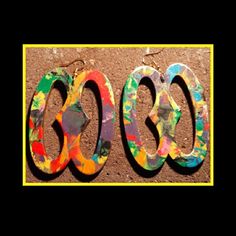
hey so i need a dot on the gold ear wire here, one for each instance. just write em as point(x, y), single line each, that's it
point(72, 62)
point(153, 62)
point(78, 68)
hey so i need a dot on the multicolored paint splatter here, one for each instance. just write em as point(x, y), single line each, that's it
point(73, 121)
point(165, 114)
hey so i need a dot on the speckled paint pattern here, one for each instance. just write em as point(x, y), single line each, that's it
point(165, 114)
point(73, 121)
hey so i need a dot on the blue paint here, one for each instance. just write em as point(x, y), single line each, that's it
point(41, 158)
point(95, 158)
point(174, 70)
point(137, 76)
point(197, 96)
point(193, 161)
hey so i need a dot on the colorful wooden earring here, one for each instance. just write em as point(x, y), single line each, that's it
point(165, 114)
point(73, 121)
point(199, 151)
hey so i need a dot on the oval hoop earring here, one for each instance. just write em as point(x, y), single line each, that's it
point(73, 122)
point(165, 114)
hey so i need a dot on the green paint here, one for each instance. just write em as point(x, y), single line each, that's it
point(45, 84)
point(199, 125)
point(127, 117)
point(134, 148)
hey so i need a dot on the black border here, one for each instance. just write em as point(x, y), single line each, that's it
point(80, 37)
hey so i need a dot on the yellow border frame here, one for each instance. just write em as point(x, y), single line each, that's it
point(210, 46)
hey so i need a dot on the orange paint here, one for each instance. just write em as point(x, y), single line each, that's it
point(141, 158)
point(88, 166)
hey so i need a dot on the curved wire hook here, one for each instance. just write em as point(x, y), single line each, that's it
point(74, 61)
point(153, 61)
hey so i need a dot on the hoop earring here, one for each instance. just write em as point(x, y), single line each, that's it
point(165, 114)
point(73, 122)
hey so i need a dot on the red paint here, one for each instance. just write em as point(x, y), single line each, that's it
point(162, 152)
point(40, 135)
point(206, 126)
point(31, 124)
point(100, 80)
point(131, 137)
point(54, 165)
point(37, 147)
point(74, 151)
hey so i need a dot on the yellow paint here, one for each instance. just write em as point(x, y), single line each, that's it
point(147, 71)
point(184, 75)
point(73, 97)
point(127, 103)
point(64, 152)
point(141, 158)
point(40, 101)
point(129, 83)
point(102, 160)
point(108, 85)
point(199, 132)
point(47, 76)
point(174, 151)
point(87, 166)
point(160, 128)
point(44, 165)
point(153, 117)
point(79, 78)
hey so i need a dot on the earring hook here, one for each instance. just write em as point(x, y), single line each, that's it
point(153, 61)
point(73, 62)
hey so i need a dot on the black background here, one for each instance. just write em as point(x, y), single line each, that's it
point(194, 205)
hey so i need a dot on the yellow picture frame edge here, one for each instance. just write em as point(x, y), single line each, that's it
point(211, 46)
